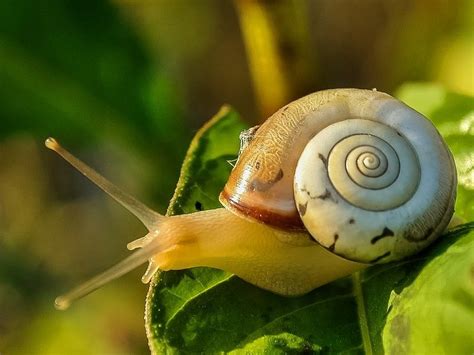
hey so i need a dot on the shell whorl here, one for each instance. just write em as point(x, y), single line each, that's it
point(369, 164)
point(368, 177)
point(378, 188)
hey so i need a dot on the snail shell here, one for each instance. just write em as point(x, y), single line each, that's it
point(367, 176)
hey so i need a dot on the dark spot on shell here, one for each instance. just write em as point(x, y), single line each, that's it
point(286, 108)
point(352, 221)
point(333, 245)
point(279, 176)
point(257, 165)
point(198, 206)
point(258, 185)
point(323, 159)
point(326, 195)
point(385, 233)
point(378, 258)
point(302, 208)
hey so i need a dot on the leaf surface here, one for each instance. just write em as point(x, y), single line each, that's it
point(372, 312)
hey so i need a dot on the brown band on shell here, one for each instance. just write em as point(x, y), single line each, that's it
point(286, 222)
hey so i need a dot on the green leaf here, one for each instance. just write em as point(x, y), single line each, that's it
point(283, 343)
point(212, 311)
point(207, 164)
point(434, 312)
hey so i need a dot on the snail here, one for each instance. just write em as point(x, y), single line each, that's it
point(328, 185)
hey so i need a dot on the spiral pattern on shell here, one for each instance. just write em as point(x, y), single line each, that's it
point(376, 171)
point(376, 188)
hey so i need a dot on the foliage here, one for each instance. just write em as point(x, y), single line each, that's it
point(124, 84)
point(82, 73)
point(424, 304)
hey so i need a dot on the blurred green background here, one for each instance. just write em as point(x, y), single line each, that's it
point(125, 84)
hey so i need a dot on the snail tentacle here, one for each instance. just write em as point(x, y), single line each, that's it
point(146, 215)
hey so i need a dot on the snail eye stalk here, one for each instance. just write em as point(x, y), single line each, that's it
point(145, 214)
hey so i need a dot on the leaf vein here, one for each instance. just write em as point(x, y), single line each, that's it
point(197, 295)
point(362, 313)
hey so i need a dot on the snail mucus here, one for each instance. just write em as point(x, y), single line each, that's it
point(329, 184)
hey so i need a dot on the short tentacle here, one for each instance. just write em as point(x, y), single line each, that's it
point(150, 271)
point(131, 262)
point(140, 242)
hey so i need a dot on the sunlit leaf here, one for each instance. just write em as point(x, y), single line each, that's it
point(206, 310)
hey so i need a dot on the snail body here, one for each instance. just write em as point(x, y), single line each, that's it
point(329, 184)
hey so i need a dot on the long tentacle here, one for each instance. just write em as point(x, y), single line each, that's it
point(145, 214)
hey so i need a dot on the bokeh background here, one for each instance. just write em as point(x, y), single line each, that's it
point(125, 84)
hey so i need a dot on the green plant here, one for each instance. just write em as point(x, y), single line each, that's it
point(421, 304)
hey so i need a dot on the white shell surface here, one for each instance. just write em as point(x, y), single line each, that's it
point(376, 187)
point(390, 186)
